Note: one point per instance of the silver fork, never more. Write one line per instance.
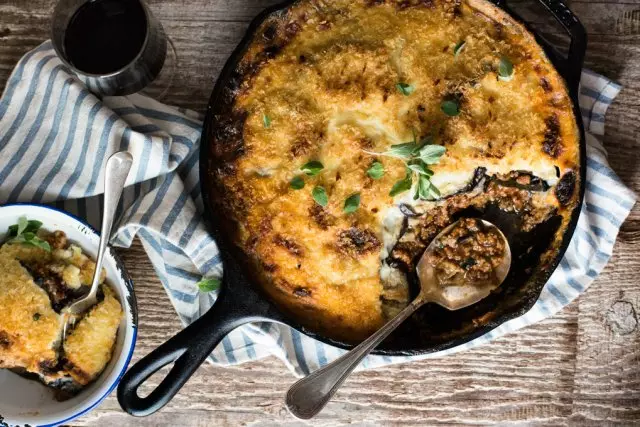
(115, 175)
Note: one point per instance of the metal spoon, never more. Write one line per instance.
(115, 175)
(308, 396)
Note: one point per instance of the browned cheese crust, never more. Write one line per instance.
(319, 82)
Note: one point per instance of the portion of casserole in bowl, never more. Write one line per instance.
(41, 273)
(351, 132)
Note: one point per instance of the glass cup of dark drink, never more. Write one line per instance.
(116, 47)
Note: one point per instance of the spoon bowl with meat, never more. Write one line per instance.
(461, 266)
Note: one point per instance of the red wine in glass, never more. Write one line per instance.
(116, 47)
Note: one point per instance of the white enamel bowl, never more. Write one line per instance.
(24, 401)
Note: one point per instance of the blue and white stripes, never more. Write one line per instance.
(55, 137)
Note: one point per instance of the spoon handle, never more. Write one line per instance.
(309, 395)
(115, 175)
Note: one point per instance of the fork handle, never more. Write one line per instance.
(308, 396)
(115, 176)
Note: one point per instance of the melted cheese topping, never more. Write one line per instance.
(25, 342)
(330, 92)
(90, 346)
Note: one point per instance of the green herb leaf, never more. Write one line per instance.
(376, 170)
(297, 183)
(22, 224)
(36, 317)
(312, 168)
(266, 121)
(434, 193)
(423, 187)
(28, 236)
(352, 203)
(404, 151)
(403, 185)
(505, 69)
(468, 263)
(458, 47)
(405, 88)
(17, 239)
(209, 284)
(420, 169)
(32, 226)
(320, 195)
(450, 107)
(430, 154)
(39, 243)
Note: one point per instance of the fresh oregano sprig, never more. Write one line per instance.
(417, 157)
(209, 284)
(24, 232)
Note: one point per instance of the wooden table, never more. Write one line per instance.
(580, 367)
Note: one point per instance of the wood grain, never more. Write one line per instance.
(580, 367)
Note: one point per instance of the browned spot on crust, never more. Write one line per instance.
(405, 4)
(48, 366)
(271, 51)
(365, 143)
(355, 241)
(300, 147)
(566, 187)
(498, 29)
(5, 341)
(321, 217)
(302, 292)
(546, 86)
(374, 2)
(288, 244)
(79, 375)
(552, 144)
(228, 137)
(291, 29)
(324, 25)
(269, 267)
(269, 33)
(265, 226)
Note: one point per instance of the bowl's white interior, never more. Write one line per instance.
(24, 401)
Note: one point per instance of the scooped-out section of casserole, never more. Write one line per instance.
(352, 131)
(41, 273)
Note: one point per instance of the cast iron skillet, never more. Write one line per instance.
(431, 329)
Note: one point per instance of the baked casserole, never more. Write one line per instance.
(40, 275)
(352, 132)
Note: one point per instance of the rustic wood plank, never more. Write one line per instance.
(580, 367)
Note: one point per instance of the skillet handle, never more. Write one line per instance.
(187, 350)
(578, 46)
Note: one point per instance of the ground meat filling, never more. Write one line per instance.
(469, 252)
(515, 193)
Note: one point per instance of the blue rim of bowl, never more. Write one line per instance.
(129, 284)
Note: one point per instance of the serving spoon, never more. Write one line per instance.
(115, 175)
(308, 396)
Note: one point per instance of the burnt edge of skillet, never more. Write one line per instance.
(569, 68)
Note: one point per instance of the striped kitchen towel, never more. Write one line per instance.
(55, 137)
